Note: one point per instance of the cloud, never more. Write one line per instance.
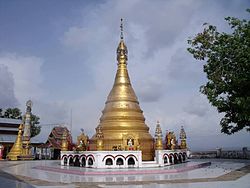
(197, 105)
(150, 90)
(26, 72)
(7, 95)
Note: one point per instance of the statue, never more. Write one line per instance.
(82, 141)
(138, 146)
(130, 144)
(173, 144)
(169, 137)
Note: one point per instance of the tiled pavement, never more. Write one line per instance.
(221, 173)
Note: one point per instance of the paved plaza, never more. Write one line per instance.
(195, 173)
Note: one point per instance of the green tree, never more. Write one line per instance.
(227, 67)
(35, 128)
(15, 113)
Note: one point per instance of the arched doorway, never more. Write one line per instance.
(171, 159)
(71, 162)
(90, 161)
(109, 162)
(77, 162)
(119, 161)
(183, 157)
(175, 158)
(165, 159)
(131, 161)
(180, 158)
(65, 161)
(83, 162)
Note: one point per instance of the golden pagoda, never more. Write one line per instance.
(17, 149)
(122, 121)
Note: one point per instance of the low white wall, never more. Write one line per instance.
(103, 159)
(120, 159)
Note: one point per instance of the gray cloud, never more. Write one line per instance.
(52, 112)
(197, 105)
(26, 74)
(7, 95)
(149, 90)
(181, 67)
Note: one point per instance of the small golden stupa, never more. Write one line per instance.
(158, 137)
(183, 138)
(122, 122)
(17, 148)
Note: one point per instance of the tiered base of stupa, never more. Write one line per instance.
(121, 159)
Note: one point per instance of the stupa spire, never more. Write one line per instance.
(122, 119)
(121, 36)
(122, 51)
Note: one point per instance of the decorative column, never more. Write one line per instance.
(99, 140)
(158, 137)
(183, 138)
(26, 131)
(65, 144)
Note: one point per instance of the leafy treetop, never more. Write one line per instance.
(228, 71)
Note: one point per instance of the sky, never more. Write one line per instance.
(62, 55)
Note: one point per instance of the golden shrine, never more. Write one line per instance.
(122, 122)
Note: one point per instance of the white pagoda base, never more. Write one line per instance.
(121, 159)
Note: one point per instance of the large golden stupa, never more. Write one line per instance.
(122, 122)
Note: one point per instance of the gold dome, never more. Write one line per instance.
(122, 118)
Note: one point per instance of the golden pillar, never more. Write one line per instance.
(158, 137)
(99, 141)
(65, 144)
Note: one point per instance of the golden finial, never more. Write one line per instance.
(122, 51)
(121, 29)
